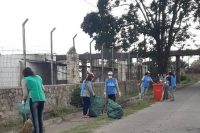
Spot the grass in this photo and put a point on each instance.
(95, 123)
(189, 79)
(16, 124)
(60, 111)
(9, 125)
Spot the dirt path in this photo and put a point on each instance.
(58, 125)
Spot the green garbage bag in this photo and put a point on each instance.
(97, 105)
(21, 109)
(114, 110)
(24, 111)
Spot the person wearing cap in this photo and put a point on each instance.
(111, 87)
(172, 84)
(86, 93)
(145, 83)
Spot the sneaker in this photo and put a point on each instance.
(85, 116)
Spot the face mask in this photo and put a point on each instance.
(109, 77)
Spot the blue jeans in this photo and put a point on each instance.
(37, 115)
(144, 91)
(86, 105)
(112, 97)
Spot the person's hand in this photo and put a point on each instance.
(24, 102)
(104, 93)
(119, 94)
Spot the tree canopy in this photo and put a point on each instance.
(161, 23)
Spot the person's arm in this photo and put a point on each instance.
(152, 80)
(117, 86)
(105, 88)
(24, 90)
(43, 87)
(90, 88)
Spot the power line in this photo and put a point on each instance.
(89, 3)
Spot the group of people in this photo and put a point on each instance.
(111, 89)
(32, 87)
(168, 81)
(169, 86)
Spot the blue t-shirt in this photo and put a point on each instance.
(146, 81)
(111, 86)
(173, 81)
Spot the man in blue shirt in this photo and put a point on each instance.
(172, 85)
(145, 83)
(111, 87)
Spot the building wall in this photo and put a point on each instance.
(56, 94)
(11, 67)
(10, 70)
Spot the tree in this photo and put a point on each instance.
(162, 23)
(195, 66)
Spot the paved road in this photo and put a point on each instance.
(180, 116)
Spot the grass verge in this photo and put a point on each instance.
(95, 123)
(10, 125)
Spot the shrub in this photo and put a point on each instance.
(75, 98)
(183, 77)
(60, 110)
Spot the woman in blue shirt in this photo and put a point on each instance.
(111, 87)
(145, 83)
(86, 93)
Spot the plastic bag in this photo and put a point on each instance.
(97, 105)
(114, 110)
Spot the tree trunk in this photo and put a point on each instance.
(162, 62)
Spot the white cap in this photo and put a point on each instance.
(110, 73)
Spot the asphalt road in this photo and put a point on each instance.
(180, 116)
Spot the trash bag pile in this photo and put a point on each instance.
(114, 110)
(97, 105)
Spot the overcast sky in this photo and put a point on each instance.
(44, 15)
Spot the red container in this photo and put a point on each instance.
(157, 91)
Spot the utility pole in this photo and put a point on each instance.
(51, 37)
(24, 41)
(102, 62)
(74, 41)
(91, 55)
(113, 58)
(129, 65)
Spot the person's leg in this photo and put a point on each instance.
(86, 105)
(40, 115)
(171, 94)
(145, 91)
(142, 92)
(34, 113)
(112, 97)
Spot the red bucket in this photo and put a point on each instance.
(157, 91)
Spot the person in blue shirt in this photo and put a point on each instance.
(172, 86)
(111, 87)
(86, 93)
(145, 83)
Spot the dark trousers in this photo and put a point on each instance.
(86, 104)
(165, 96)
(112, 97)
(37, 115)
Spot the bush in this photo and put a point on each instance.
(60, 110)
(75, 98)
(183, 77)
